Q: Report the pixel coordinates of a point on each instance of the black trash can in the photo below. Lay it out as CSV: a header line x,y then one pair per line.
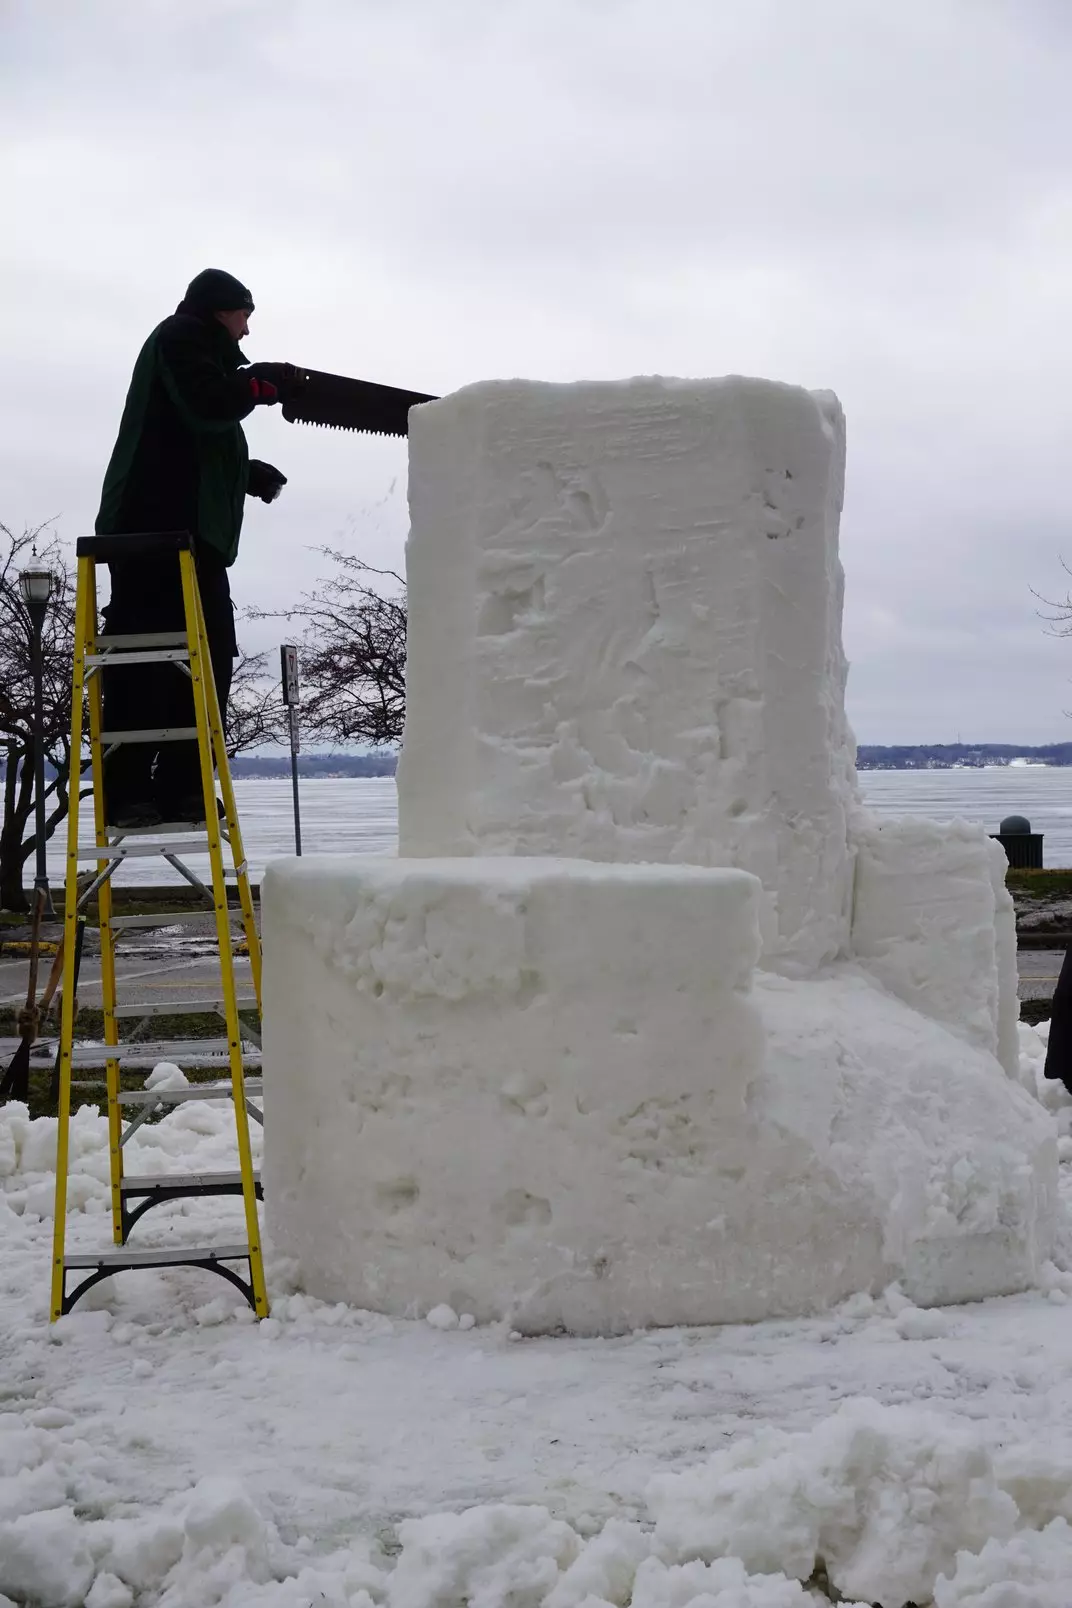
x,y
1023,848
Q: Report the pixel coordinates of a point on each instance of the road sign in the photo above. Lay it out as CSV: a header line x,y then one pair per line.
x,y
288,667
288,663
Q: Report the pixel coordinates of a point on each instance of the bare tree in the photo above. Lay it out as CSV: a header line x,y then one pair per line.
x,y
1059,619
254,716
353,652
17,742
255,712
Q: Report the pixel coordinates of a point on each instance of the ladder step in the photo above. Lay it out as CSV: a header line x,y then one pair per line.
x,y
140,639
118,834
125,658
196,1091
127,851
183,1007
165,734
191,1052
190,1183
172,1256
133,544
173,918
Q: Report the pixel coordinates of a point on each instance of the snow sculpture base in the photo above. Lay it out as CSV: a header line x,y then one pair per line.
x,y
547,1091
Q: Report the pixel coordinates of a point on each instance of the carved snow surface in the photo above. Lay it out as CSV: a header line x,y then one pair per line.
x,y
651,1023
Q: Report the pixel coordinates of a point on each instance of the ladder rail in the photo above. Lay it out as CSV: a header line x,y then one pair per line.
x,y
105,869
234,831
210,745
85,627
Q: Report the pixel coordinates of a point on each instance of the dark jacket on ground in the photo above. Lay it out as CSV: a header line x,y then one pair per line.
x,y
180,460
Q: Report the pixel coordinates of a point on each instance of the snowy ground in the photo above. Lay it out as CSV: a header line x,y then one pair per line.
x,y
161,1447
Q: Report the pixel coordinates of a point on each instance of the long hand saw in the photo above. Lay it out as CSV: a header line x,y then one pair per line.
x,y
309,397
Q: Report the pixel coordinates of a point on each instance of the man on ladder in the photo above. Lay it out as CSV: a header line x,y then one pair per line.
x,y
180,463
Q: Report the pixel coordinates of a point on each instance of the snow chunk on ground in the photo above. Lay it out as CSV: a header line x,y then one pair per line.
x,y
442,1317
723,1584
45,1558
166,1075
884,1497
1030,1570
484,1558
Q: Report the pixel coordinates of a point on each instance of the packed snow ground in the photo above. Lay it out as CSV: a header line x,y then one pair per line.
x,y
158,1446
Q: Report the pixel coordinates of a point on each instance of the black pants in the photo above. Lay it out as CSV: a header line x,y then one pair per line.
x,y
147,596
1059,1047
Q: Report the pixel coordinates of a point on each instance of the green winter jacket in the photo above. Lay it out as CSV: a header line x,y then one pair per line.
x,y
180,461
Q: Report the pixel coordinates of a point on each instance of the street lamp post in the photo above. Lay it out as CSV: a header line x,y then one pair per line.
x,y
36,588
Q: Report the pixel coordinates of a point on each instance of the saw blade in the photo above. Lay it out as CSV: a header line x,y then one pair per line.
x,y
340,403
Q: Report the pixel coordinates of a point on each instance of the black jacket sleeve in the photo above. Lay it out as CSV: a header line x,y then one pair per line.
x,y
196,376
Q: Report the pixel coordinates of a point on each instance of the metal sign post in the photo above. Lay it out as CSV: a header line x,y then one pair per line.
x,y
288,660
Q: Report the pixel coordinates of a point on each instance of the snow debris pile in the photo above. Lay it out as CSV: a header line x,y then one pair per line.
x,y
203,1132
539,1068
875,1505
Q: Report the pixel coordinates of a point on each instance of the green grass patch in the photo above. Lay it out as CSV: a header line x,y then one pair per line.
x,y
1044,884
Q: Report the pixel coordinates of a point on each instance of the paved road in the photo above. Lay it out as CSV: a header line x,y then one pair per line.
x,y
159,976
1039,971
174,974
168,974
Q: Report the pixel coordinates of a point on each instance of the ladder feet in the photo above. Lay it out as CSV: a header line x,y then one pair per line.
x,y
213,1259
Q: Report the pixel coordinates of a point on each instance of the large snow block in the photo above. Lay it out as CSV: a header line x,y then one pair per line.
x,y
625,636
935,923
552,1092
506,1084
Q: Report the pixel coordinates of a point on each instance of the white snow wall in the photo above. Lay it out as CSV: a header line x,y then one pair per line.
x,y
934,922
625,636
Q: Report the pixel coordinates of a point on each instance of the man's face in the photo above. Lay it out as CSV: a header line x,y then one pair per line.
x,y
236,324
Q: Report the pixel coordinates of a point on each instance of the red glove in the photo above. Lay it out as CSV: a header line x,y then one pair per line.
x,y
263,391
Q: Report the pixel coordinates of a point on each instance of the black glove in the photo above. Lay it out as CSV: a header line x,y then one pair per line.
x,y
265,481
263,392
283,376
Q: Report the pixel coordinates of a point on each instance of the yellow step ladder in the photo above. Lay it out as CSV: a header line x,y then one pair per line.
x,y
131,1195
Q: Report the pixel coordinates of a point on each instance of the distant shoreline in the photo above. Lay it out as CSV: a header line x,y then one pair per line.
x,y
963,756
869,757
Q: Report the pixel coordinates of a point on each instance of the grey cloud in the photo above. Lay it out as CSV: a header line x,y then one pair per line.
x,y
842,193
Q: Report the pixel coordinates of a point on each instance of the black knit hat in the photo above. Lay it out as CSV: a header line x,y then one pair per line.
x,y
213,291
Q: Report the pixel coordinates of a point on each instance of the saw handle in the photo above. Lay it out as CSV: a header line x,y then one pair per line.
x,y
287,378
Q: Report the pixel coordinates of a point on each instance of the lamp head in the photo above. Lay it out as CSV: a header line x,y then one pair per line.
x,y
36,586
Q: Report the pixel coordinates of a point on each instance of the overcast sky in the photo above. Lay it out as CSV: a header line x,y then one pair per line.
x,y
854,194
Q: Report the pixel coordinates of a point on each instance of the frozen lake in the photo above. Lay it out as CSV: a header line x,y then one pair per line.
x,y
358,815
1044,795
